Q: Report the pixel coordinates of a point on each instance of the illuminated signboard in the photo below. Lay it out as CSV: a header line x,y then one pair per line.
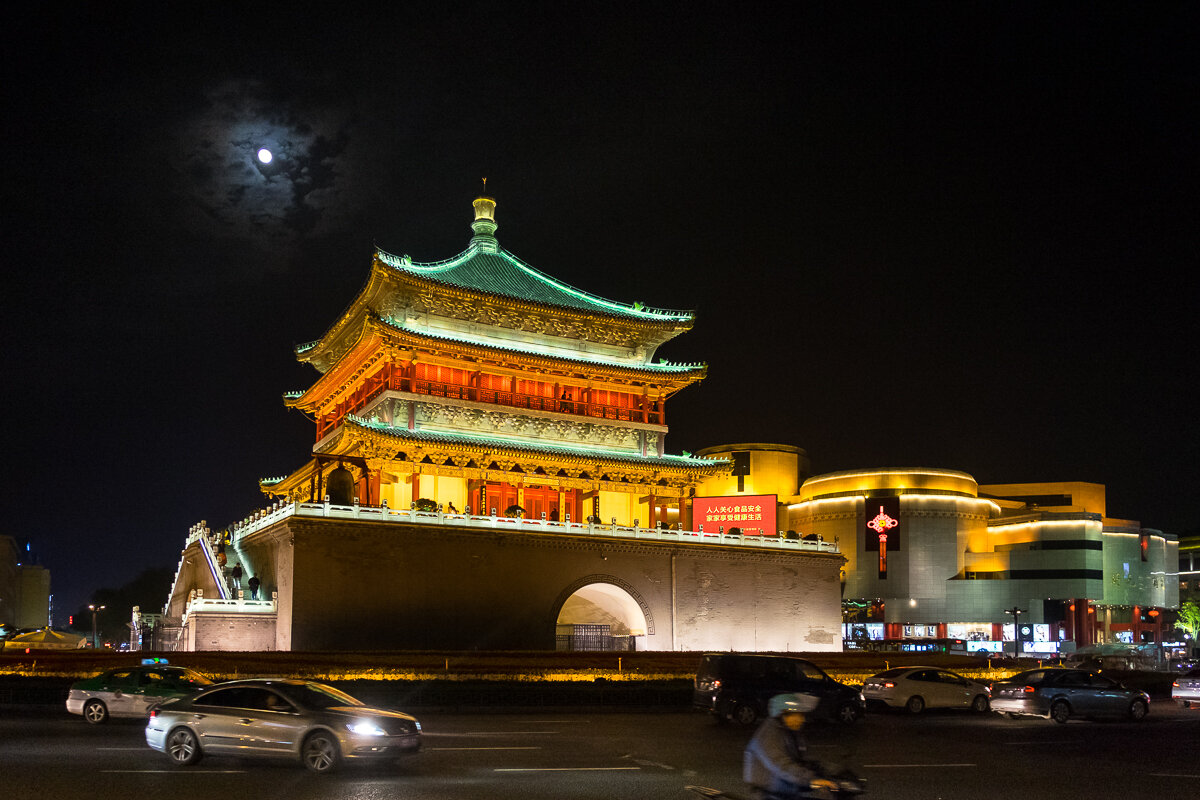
x,y
752,514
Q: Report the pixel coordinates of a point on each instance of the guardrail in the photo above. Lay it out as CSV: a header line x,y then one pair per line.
x,y
215,605
363,513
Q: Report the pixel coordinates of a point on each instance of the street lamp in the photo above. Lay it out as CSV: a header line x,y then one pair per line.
x,y
1016,615
95,611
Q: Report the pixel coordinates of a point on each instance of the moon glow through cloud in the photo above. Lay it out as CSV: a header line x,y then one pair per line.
x,y
264,155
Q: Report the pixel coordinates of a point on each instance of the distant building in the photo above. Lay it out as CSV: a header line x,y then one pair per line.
x,y
932,555
24,587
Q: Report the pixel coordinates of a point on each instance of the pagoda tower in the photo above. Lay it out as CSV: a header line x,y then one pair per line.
x,y
480,385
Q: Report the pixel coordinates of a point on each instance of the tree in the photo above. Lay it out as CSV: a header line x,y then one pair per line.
x,y
1189,618
148,591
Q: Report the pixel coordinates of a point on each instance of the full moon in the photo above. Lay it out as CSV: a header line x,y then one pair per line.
x,y
264,155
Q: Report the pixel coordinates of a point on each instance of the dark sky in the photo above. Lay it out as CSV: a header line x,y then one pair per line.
x,y
953,235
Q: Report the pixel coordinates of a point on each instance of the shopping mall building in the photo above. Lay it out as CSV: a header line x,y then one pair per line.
x,y
932,555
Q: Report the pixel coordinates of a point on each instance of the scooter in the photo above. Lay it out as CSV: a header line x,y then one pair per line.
x,y
848,785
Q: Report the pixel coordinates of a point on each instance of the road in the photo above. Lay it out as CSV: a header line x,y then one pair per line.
x,y
46,754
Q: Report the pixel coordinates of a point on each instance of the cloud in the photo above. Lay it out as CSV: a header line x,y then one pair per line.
x,y
221,188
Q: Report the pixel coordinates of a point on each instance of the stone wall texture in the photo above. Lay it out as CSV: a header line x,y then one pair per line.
x,y
362,585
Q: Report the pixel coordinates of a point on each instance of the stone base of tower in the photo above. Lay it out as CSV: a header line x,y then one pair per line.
x,y
343,585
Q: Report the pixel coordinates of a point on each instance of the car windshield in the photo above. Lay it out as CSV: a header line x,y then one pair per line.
x,y
318,695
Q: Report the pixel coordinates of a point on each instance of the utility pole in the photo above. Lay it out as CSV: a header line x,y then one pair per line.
x,y
95,610
1016,615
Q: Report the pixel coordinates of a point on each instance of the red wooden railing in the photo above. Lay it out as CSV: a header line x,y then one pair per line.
x,y
653,415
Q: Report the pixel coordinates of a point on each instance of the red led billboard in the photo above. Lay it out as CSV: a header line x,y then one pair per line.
x,y
752,514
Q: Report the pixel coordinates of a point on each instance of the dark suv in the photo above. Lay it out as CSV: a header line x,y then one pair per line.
x,y
737,686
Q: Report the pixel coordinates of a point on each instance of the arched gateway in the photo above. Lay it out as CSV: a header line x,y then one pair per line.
x,y
489,459
601,612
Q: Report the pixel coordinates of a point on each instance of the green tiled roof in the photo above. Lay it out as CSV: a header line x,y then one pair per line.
x,y
532,446
504,274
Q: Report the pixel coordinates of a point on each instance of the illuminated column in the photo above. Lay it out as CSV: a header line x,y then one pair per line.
x,y
374,474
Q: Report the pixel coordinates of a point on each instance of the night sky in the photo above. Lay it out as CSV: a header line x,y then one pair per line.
x,y
955,235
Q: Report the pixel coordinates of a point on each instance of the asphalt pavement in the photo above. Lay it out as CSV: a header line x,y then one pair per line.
x,y
46,753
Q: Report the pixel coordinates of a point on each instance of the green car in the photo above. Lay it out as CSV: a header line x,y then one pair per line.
x,y
131,691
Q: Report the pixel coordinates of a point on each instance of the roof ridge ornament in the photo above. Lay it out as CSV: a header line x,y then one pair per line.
x,y
485,223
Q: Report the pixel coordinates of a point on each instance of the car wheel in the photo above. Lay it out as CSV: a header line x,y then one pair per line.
x,y
1138,710
320,753
915,704
980,704
847,713
95,712
1060,711
745,713
182,747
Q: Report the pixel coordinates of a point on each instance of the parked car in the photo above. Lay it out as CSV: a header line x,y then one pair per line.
x,y
918,688
1186,689
737,686
314,723
131,691
1061,694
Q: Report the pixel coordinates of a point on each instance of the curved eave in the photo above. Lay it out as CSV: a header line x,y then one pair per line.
x,y
495,448
571,299
667,323
282,485
494,352
359,306
377,335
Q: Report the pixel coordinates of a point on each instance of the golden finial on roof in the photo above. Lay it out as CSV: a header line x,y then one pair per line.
x,y
485,222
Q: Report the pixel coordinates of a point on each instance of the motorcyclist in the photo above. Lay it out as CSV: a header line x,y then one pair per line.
x,y
774,764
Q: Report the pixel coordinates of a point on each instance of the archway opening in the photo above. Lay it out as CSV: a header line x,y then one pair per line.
x,y
599,616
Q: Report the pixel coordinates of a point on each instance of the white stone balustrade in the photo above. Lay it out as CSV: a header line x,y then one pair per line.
x,y
277,512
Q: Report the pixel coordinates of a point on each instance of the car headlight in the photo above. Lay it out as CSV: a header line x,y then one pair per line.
x,y
366,728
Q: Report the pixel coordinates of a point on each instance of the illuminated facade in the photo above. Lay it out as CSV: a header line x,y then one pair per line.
x,y
478,383
931,554
489,470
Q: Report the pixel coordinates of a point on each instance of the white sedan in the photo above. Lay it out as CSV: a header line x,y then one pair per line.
x,y
131,691
918,688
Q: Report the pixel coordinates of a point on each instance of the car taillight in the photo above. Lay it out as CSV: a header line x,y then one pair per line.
x,y
889,685
1175,684
1030,689
153,713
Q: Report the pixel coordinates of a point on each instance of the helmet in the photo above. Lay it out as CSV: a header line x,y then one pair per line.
x,y
783,703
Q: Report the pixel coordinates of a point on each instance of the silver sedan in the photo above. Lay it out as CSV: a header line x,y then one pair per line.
x,y
1186,689
315,723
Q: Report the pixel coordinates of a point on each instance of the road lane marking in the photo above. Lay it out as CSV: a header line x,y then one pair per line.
x,y
116,749
921,766
175,771
563,769
502,733
480,748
